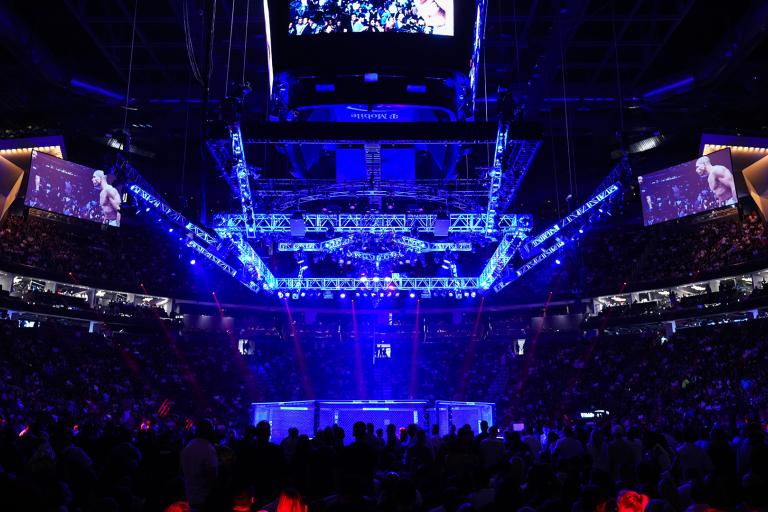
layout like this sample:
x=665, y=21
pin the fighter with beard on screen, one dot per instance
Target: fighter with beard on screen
x=720, y=180
x=109, y=199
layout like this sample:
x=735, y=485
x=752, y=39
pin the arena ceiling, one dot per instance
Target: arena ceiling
x=586, y=70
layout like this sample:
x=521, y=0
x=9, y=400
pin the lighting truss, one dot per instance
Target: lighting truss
x=517, y=159
x=506, y=251
x=529, y=265
x=133, y=177
x=384, y=191
x=376, y=258
x=619, y=173
x=396, y=282
x=255, y=275
x=368, y=223
x=420, y=246
x=326, y=246
x=243, y=179
x=221, y=151
x=498, y=261
x=494, y=177
x=248, y=257
x=511, y=161
x=546, y=253
x=223, y=265
x=536, y=241
x=172, y=215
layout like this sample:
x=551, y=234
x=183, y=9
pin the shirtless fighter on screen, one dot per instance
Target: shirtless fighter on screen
x=109, y=199
x=720, y=180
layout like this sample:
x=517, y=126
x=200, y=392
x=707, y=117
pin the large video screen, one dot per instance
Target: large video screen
x=64, y=187
x=311, y=17
x=705, y=183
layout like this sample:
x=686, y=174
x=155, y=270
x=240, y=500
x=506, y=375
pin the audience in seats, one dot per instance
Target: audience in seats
x=151, y=422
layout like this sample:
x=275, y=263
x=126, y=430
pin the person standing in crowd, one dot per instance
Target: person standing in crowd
x=200, y=466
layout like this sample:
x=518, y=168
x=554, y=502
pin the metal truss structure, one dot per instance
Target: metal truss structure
x=530, y=264
x=240, y=170
x=252, y=262
x=420, y=246
x=370, y=223
x=254, y=270
x=221, y=151
x=598, y=198
x=517, y=159
x=498, y=262
x=234, y=230
x=289, y=195
x=494, y=177
x=375, y=258
x=546, y=253
x=326, y=246
x=511, y=161
x=393, y=283
x=575, y=219
x=172, y=215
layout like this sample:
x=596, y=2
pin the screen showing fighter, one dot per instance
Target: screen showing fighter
x=72, y=189
x=705, y=183
x=310, y=17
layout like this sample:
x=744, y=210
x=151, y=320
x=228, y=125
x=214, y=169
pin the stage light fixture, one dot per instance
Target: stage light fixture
x=412, y=295
x=557, y=261
x=343, y=295
x=192, y=262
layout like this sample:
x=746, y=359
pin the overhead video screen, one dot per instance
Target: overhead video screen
x=313, y=17
x=64, y=187
x=702, y=184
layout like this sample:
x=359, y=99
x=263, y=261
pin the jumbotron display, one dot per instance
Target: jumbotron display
x=64, y=187
x=696, y=186
x=310, y=17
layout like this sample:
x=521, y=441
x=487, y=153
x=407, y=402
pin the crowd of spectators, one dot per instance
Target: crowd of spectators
x=133, y=258
x=137, y=255
x=340, y=16
x=101, y=421
x=671, y=254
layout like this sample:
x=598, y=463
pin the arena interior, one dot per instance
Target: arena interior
x=383, y=256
